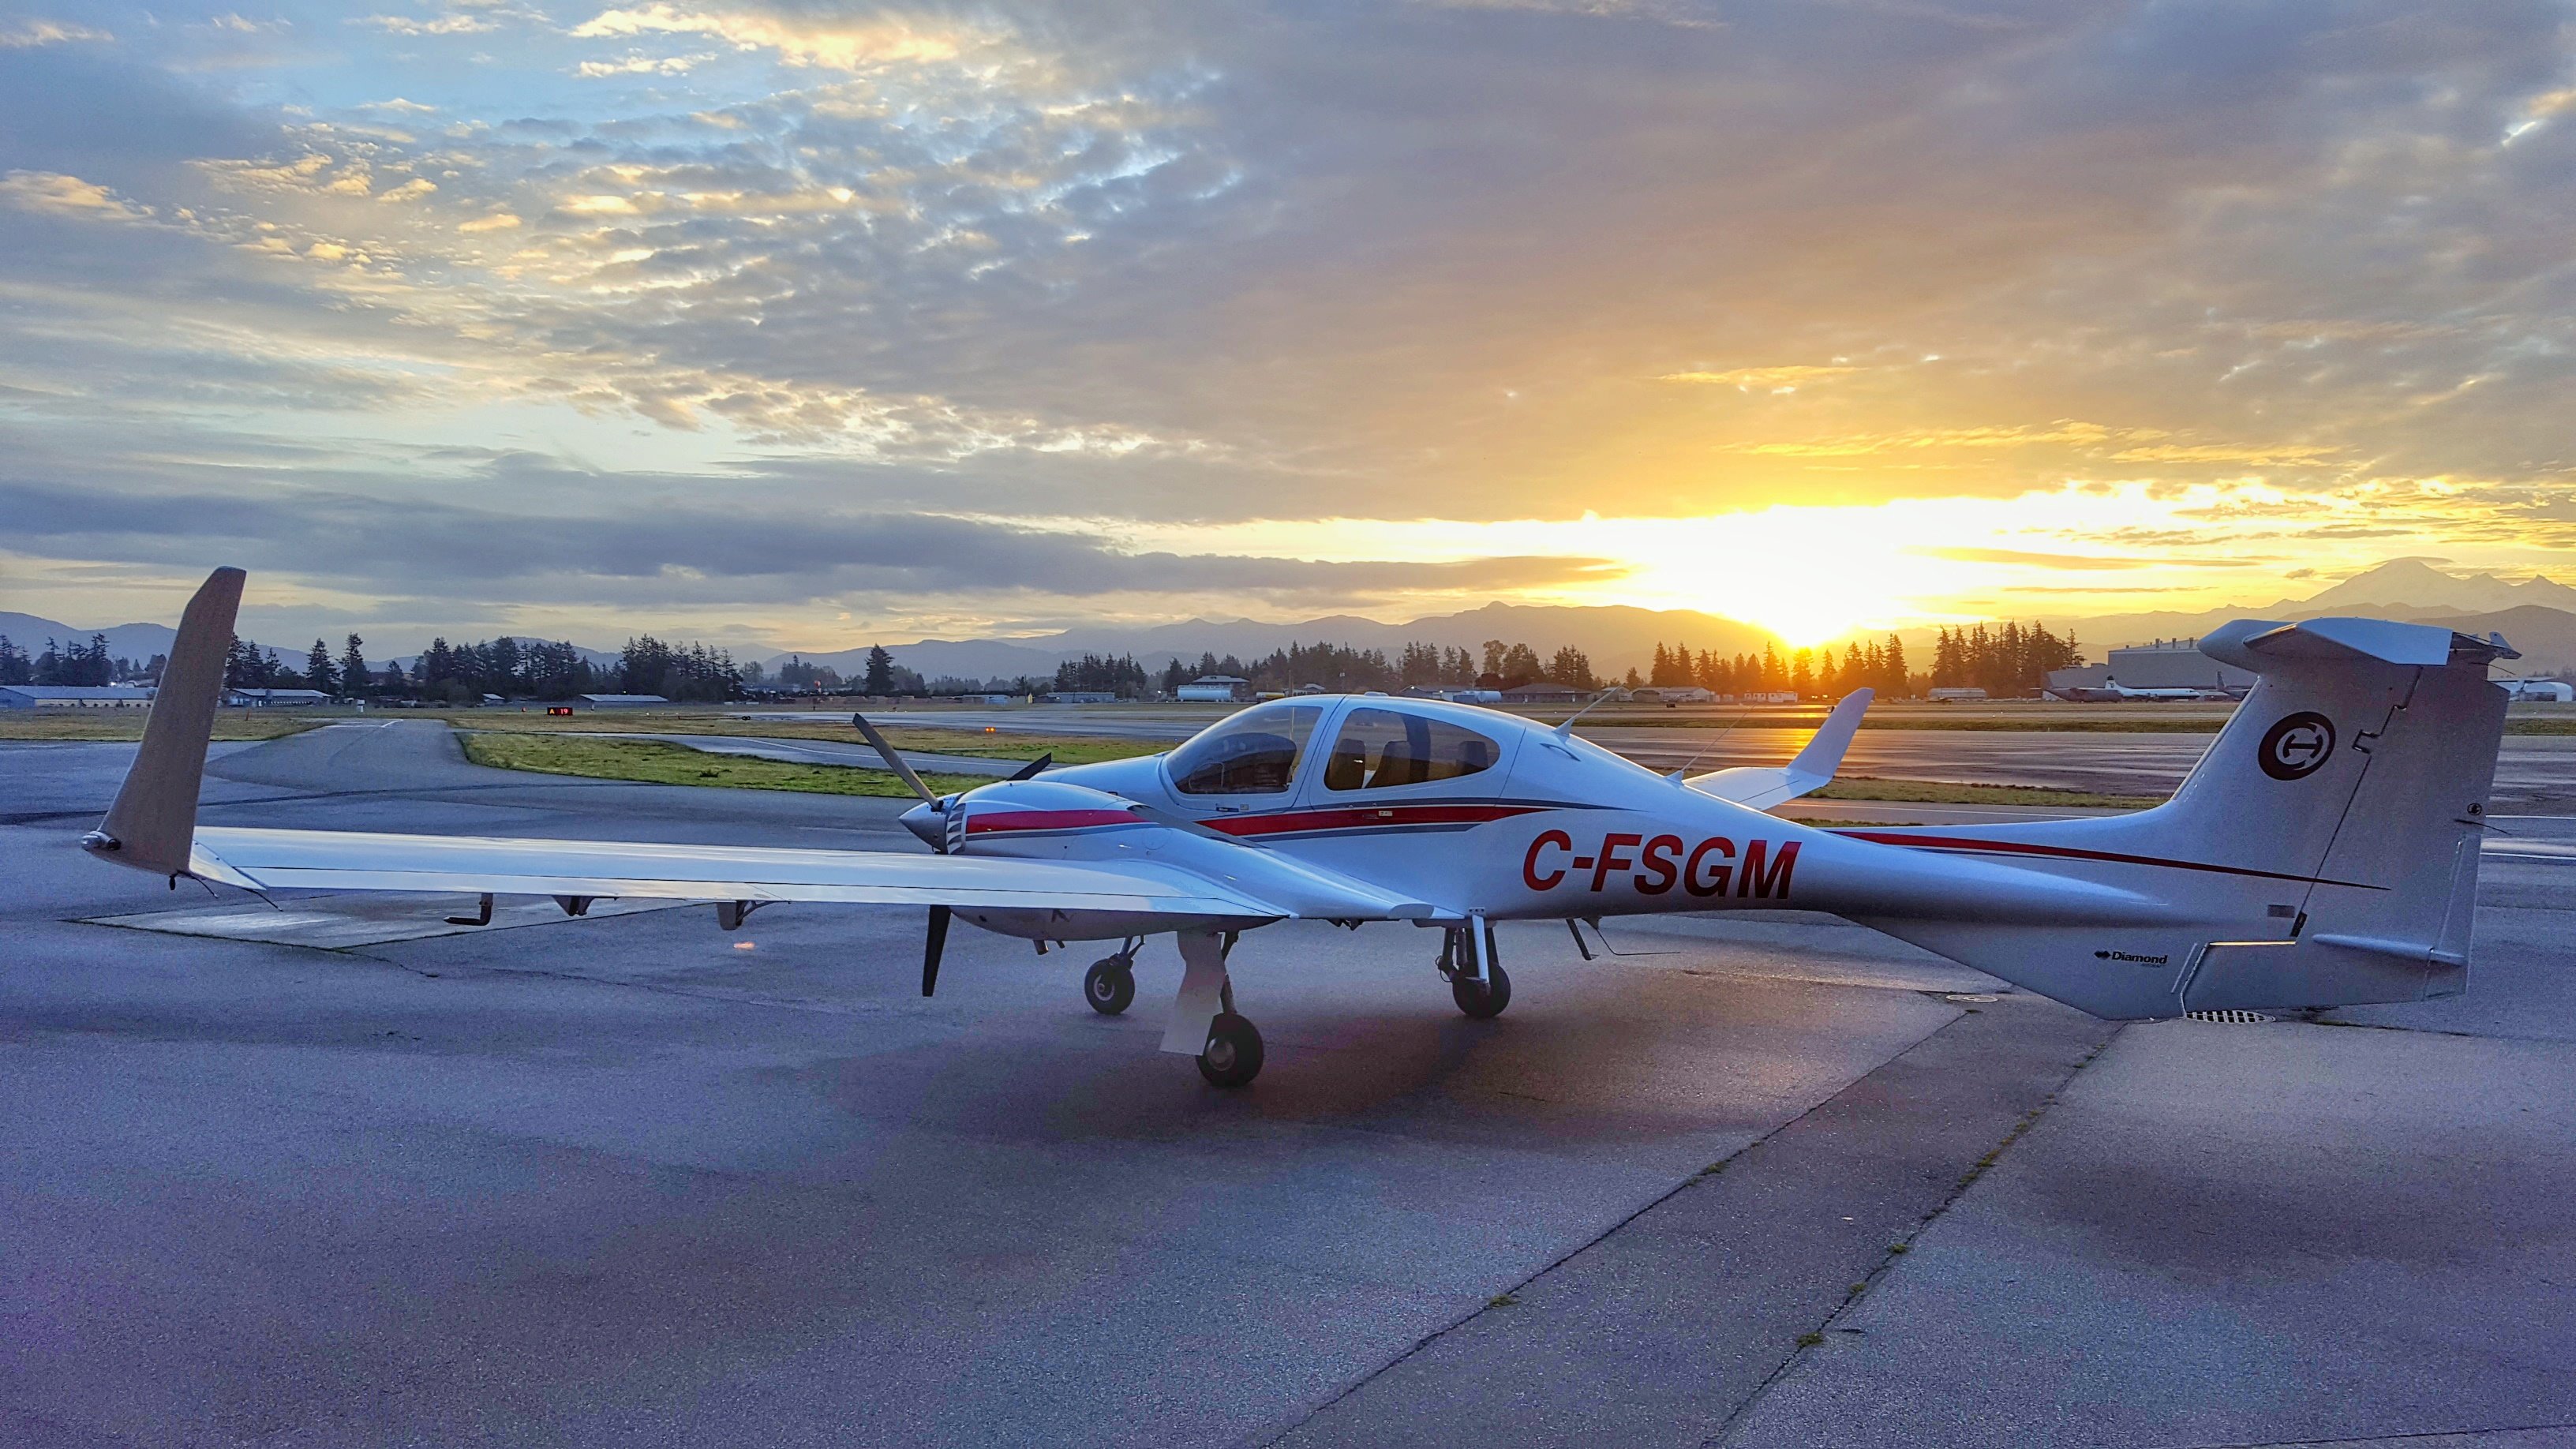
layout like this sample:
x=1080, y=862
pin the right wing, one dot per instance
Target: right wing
x=1763, y=786
x=353, y=861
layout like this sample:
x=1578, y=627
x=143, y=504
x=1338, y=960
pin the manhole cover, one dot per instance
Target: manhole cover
x=2229, y=1018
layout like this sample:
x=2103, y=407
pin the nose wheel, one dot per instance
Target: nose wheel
x=1110, y=985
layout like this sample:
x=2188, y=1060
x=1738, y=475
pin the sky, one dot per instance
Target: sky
x=817, y=324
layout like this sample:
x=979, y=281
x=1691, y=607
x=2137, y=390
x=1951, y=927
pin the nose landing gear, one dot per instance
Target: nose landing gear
x=1110, y=985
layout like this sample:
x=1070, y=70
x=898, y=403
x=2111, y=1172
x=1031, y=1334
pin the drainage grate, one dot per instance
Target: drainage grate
x=2229, y=1018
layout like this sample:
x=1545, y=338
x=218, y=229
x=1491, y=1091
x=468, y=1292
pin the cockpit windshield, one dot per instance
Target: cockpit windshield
x=1254, y=753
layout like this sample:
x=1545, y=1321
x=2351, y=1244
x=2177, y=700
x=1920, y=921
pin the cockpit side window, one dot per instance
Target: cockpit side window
x=1254, y=753
x=1379, y=749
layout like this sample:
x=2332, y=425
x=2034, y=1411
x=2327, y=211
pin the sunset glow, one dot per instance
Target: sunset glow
x=805, y=326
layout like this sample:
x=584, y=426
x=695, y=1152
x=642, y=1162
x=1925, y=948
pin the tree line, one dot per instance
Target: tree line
x=1871, y=663
x=506, y=667
x=72, y=664
x=1418, y=664
x=2010, y=659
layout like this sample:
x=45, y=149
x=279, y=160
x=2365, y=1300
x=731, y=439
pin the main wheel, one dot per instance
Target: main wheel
x=1109, y=986
x=1232, y=1056
x=1487, y=1001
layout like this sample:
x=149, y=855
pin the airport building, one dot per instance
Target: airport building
x=1218, y=687
x=2164, y=664
x=622, y=701
x=73, y=696
x=275, y=698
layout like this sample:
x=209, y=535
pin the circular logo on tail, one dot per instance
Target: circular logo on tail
x=2297, y=747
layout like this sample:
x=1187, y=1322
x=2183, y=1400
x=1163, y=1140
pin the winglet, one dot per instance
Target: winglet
x=153, y=823
x=1763, y=786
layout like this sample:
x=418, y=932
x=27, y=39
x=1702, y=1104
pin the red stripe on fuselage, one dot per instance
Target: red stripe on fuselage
x=1373, y=817
x=988, y=821
x=2065, y=852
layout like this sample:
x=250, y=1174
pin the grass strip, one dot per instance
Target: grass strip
x=834, y=728
x=127, y=724
x=652, y=763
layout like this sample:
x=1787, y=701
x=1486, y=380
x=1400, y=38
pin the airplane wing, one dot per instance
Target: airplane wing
x=1763, y=786
x=355, y=861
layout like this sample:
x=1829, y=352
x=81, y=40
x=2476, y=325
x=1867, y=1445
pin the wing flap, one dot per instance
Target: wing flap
x=356, y=861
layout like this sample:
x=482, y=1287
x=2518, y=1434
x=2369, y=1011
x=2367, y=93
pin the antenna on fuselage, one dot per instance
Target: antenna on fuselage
x=1566, y=730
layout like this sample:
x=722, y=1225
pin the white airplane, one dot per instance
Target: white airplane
x=2324, y=852
x=2112, y=691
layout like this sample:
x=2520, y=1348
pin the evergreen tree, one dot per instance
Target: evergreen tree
x=880, y=676
x=1572, y=668
x=354, y=678
x=318, y=671
x=15, y=666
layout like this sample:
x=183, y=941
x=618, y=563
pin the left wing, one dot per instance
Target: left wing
x=1763, y=786
x=353, y=861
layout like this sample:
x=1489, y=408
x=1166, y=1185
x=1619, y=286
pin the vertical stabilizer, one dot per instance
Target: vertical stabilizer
x=154, y=820
x=2323, y=853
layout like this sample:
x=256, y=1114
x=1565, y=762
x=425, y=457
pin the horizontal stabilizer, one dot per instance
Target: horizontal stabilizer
x=1763, y=786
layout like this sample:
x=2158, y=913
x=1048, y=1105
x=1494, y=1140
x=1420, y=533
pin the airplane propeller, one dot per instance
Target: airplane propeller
x=936, y=940
x=932, y=945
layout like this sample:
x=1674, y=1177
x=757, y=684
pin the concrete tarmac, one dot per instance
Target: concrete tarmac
x=623, y=1181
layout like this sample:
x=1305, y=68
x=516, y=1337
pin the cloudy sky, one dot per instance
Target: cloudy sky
x=817, y=323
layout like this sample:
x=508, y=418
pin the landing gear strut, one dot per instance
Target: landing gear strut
x=1110, y=984
x=1481, y=999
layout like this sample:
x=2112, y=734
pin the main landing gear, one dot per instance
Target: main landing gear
x=1232, y=1055
x=1480, y=1000
x=1204, y=1022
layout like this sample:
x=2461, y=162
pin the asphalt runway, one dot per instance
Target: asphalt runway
x=2533, y=772
x=623, y=1181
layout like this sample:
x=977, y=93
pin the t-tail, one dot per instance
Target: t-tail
x=153, y=824
x=2324, y=852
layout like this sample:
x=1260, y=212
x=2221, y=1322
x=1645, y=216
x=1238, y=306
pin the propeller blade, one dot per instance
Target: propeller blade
x=932, y=945
x=1033, y=768
x=894, y=761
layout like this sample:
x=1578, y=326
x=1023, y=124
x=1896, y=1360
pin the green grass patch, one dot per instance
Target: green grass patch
x=652, y=763
x=1937, y=792
x=834, y=727
x=127, y=724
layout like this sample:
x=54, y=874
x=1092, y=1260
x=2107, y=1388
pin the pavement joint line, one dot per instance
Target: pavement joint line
x=2433, y=1438
x=1815, y=1337
x=1509, y=1297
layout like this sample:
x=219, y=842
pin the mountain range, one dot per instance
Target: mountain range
x=2536, y=615
x=1614, y=636
x=138, y=642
